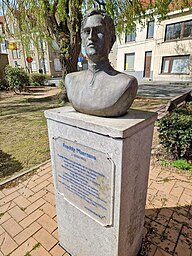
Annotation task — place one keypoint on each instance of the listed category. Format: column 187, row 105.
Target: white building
column 160, row 51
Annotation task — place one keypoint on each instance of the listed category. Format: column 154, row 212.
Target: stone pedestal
column 100, row 170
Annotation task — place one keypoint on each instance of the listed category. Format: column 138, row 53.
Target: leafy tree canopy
column 61, row 20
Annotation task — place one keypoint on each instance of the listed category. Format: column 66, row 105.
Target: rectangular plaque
column 85, row 177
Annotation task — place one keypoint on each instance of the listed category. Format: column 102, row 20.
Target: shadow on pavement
column 167, row 230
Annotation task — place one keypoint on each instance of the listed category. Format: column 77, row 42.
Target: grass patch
column 23, row 137
column 182, row 164
column 149, row 104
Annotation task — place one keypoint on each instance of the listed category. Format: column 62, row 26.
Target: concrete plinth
column 100, row 170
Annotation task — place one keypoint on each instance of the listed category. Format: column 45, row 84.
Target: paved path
column 166, row 91
column 28, row 218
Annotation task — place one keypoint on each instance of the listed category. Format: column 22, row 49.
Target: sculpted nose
column 92, row 34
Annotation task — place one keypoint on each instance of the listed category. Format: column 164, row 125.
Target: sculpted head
column 98, row 34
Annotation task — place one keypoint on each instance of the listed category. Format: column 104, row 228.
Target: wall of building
column 172, row 48
column 159, row 48
column 139, row 47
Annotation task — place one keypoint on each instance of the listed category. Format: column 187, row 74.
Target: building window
column 150, row 29
column 41, row 44
column 57, row 65
column 44, row 65
column 3, row 48
column 33, row 66
column 129, row 37
column 178, row 30
column 175, row 65
column 16, row 54
column 129, row 61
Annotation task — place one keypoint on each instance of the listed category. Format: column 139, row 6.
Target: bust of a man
column 100, row 90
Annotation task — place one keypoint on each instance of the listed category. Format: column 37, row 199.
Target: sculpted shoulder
column 127, row 80
column 72, row 77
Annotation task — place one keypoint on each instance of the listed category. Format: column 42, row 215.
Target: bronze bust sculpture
column 100, row 90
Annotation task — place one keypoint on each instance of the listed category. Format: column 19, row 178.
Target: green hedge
column 38, row 79
column 16, row 78
column 175, row 132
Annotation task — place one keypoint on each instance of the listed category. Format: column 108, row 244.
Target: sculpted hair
column 109, row 24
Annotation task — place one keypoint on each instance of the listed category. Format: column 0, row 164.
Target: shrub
column 175, row 132
column 38, row 79
column 17, row 78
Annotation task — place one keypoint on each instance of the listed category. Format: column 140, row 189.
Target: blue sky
column 1, row 13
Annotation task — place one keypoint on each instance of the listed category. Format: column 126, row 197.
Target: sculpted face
column 95, row 38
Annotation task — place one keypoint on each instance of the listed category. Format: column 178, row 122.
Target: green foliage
column 17, row 78
column 175, row 132
column 37, row 79
column 164, row 162
column 182, row 164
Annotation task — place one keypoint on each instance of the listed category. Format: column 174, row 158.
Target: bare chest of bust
column 100, row 93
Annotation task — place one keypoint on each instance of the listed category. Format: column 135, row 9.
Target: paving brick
column 166, row 212
column 173, row 230
column 182, row 248
column 57, row 251
column 26, row 192
column 47, row 223
column 9, row 198
column 186, row 198
column 49, row 209
column 27, row 233
column 150, row 251
column 10, row 190
column 55, row 234
column 187, row 232
column 180, row 218
column 39, row 251
column 164, row 244
column 1, row 194
column 42, row 185
column 1, row 230
column 22, row 202
column 45, row 239
column 7, row 244
column 161, row 219
column 43, row 178
column 32, row 207
column 50, row 188
column 45, row 169
column 29, row 183
column 17, row 213
column 24, row 248
column 37, row 195
column 31, row 218
column 160, row 252
column 12, row 227
column 158, row 228
column 49, row 197
column 67, row 254
column 4, row 217
column 151, row 213
column 177, row 190
column 184, row 210
column 6, row 207
column 51, row 179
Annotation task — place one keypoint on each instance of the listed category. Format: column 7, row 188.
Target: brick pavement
column 28, row 224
